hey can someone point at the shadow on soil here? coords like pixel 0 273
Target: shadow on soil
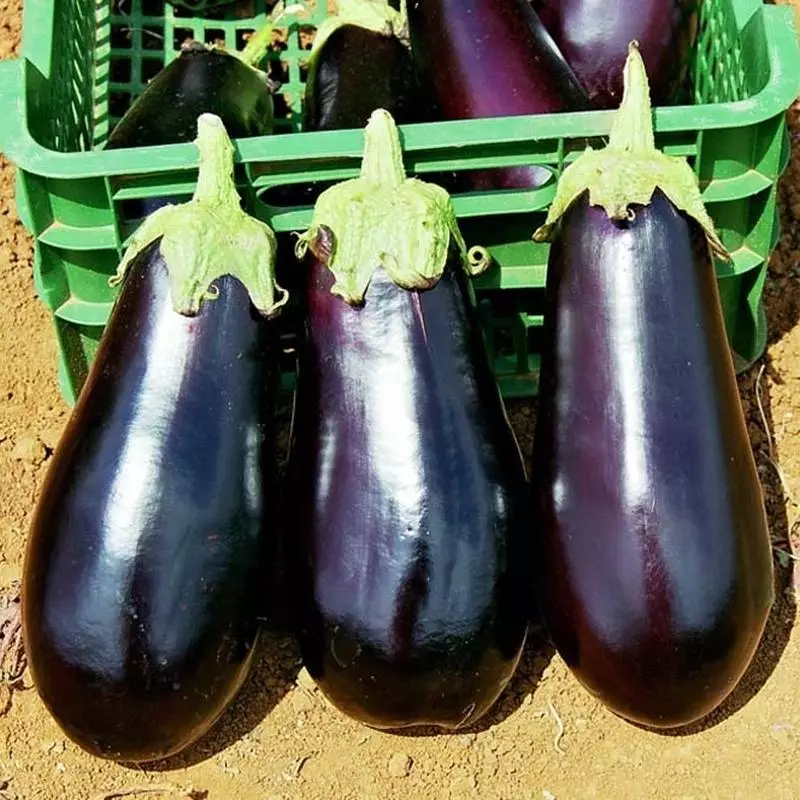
pixel 273 675
pixel 782 305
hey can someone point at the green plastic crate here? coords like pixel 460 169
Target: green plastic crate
pixel 83 61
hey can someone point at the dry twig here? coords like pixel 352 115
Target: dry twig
pixel 133 791
pixel 560 735
pixel 771 453
pixel 784 555
pixel 12 651
pixel 554 715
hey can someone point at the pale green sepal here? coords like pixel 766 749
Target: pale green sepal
pixel 211 236
pixel 629 169
pixel 384 219
pixel 373 15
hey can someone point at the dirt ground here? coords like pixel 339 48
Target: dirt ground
pixel 280 740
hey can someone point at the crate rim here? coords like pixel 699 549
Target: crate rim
pixel 26 153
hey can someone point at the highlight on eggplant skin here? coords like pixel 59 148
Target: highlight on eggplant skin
pixel 150 534
pixel 198 81
pixel 594 40
pixel 654 559
pixel 491 58
pixel 146 546
pixel 406 540
pixel 655 564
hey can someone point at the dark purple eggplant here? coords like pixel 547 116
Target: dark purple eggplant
pixel 593 35
pixel 360 62
pixel 654 559
pixel 491 58
pixel 405 543
pixel 200 80
pixel 143 566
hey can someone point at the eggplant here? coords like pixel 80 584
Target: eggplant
pixel 360 62
pixel 491 58
pixel 653 553
pixel 141 574
pixel 593 35
pixel 405 543
pixel 199 80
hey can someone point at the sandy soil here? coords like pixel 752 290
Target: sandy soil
pixel 280 740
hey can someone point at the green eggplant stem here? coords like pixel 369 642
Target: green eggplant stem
pixel 385 219
pixel 210 235
pixel 630 168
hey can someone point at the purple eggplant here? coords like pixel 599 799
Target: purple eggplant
pixel 491 58
pixel 198 81
pixel 360 62
pixel 405 544
pixel 143 566
pixel 593 35
pixel 654 555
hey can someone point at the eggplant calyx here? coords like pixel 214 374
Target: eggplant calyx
pixel 211 236
pixel 259 44
pixel 630 168
pixel 385 219
pixel 373 15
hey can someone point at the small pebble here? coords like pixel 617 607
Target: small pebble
pixel 51 436
pixel 464 785
pixel 782 734
pixel 29 450
pixel 400 765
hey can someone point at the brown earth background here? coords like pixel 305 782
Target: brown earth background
pixel 546 739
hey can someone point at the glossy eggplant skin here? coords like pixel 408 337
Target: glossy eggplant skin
pixel 198 81
pixel 139 591
pixel 655 562
pixel 491 58
pixel 406 544
pixel 594 38
pixel 355 72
